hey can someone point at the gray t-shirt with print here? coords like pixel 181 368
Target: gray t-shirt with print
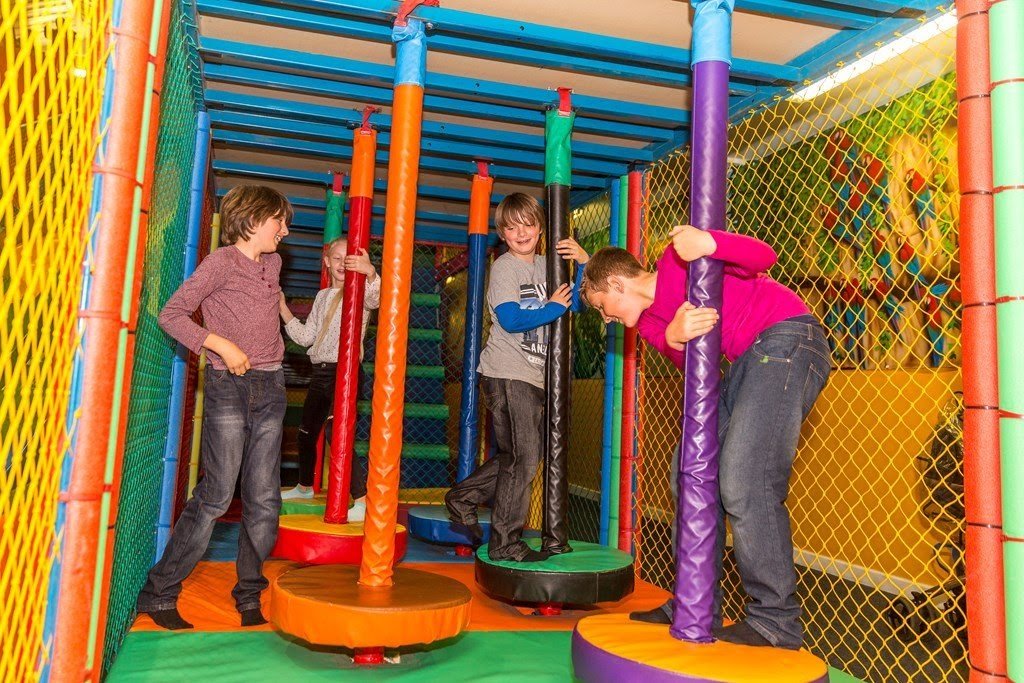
pixel 516 355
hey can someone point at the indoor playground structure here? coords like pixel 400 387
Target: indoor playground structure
pixel 876 145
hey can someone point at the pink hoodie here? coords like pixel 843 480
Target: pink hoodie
pixel 751 301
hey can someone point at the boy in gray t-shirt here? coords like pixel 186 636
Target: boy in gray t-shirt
pixel 512 382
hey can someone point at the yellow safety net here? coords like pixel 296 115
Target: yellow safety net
pixel 52 68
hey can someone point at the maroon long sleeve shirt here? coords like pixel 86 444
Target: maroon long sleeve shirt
pixel 239 299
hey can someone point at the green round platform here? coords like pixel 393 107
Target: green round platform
pixel 590 574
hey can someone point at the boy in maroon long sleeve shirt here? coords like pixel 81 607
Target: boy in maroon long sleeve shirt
pixel 237 288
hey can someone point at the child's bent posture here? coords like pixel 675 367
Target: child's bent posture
pixel 512 368
pixel 237 287
pixel 321 333
pixel 779 364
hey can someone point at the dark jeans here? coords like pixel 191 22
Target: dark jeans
pixel 765 396
pixel 319 404
pixel 517 413
pixel 242 424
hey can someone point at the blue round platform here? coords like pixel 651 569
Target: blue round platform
pixel 430 523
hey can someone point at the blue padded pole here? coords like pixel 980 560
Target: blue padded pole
pixel 609 386
pixel 469 416
pixel 179 366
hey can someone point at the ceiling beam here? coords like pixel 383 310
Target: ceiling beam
pixel 459 87
pixel 291 175
pixel 352 118
pixel 368 94
pixel 279 145
pixel 452 28
pixel 430 145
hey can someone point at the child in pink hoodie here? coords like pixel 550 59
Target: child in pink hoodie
pixel 779 363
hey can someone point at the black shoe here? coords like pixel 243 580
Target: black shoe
pixel 742 633
pixel 253 617
pixel 559 550
pixel 169 619
pixel 659 615
pixel 535 556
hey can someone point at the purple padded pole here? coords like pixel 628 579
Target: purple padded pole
pixel 697 515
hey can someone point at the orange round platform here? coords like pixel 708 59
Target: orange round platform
pixel 611 648
pixel 308 539
pixel 326 606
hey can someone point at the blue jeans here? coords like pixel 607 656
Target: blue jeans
pixel 765 396
pixel 243 419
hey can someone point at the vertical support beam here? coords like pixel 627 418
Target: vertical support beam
pixel 346 392
pixel 558 370
pixel 388 404
pixel 986 628
pixel 1007 89
pixel 197 419
pixel 608 513
pixel 469 415
pixel 697 515
pixel 620 241
pixel 634 204
pixel 120 200
pixel 179 365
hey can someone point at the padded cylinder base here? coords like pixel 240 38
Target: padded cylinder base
pixel 327 606
pixel 610 648
pixel 590 574
pixel 308 539
pixel 430 523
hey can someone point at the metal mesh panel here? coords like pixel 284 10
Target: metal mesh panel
pixel 135 533
pixel 856 189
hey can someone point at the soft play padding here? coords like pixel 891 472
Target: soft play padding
pixel 308 539
pixel 431 523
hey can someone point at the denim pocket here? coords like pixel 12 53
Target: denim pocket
pixel 776 347
pixel 215 376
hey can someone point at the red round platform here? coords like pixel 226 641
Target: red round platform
pixel 308 539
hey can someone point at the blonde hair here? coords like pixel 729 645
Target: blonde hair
pixel 604 264
pixel 332 307
pixel 246 206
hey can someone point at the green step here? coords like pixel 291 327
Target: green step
pixel 426 371
pixel 426 299
pixel 416 451
pixel 415 334
pixel 436 411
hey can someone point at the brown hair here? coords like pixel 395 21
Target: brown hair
pixel 246 206
pixel 518 209
pixel 605 263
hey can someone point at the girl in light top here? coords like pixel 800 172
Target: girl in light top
pixel 321 333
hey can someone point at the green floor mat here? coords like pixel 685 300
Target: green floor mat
pixel 481 657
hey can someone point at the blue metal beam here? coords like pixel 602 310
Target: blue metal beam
pixel 291 175
pixel 534 117
pixel 453 27
pixel 351 118
pixel 460 220
pixel 431 146
pixel 804 12
pixel 457 86
pixel 269 143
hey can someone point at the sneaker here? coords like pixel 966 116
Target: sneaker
pixel 357 512
pixel 300 492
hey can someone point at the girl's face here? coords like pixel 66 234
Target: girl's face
pixel 335 262
pixel 522 239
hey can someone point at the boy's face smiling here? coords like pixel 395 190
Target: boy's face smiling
pixel 522 240
pixel 268 234
pixel 619 303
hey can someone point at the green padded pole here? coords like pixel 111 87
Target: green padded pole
pixel 1006 21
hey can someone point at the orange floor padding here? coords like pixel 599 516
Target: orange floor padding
pixel 206 601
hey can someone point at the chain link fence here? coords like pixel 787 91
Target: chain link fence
pixel 856 189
